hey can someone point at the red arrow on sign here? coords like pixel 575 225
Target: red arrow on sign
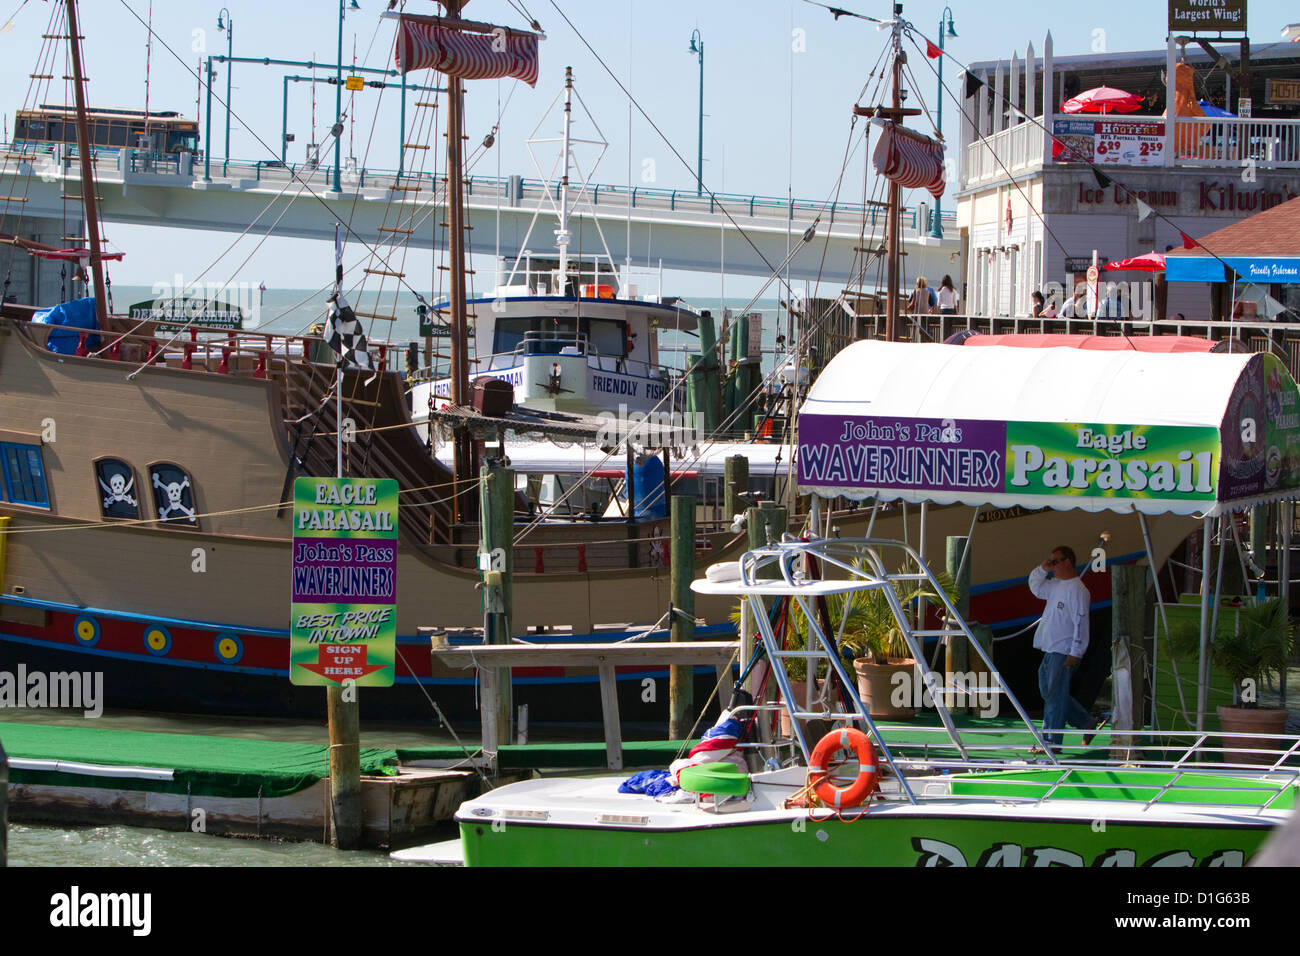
pixel 339 662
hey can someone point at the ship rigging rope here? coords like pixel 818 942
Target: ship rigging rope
pixel 667 142
pixel 794 353
pixel 469 757
pixel 294 175
pixel 45 59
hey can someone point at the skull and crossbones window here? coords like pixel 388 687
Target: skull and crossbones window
pixel 116 480
pixel 173 494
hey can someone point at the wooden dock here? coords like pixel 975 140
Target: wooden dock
pixel 488 658
pixel 221 785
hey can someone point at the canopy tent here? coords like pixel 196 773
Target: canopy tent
pixel 1262 248
pixel 1283 270
pixel 1140 432
pixel 1126 431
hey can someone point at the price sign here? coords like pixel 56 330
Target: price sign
pixel 1132 144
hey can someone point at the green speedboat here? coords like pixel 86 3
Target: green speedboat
pixel 968 797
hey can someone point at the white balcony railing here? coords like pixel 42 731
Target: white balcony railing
pixel 1005 153
pixel 1197 141
pixel 1232 141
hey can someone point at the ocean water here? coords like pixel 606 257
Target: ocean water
pixel 46 844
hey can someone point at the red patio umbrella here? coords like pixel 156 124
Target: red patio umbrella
pixel 1103 99
pixel 1151 262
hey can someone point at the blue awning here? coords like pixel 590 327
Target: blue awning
pixel 1264 269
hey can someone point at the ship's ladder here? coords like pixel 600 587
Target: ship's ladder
pixel 813 577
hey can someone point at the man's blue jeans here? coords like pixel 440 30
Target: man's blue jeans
pixel 1058 706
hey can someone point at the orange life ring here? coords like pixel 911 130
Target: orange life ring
pixel 864 786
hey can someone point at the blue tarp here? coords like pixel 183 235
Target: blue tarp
pixel 1263 269
pixel 1209 109
pixel 77 314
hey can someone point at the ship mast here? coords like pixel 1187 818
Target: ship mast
pixel 464 507
pixel 895 191
pixel 562 233
pixel 88 191
pixel 894 114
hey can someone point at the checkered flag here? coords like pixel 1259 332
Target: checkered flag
pixel 343 334
pixel 342 330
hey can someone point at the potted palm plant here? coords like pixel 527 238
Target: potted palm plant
pixel 1264 641
pixel 875 637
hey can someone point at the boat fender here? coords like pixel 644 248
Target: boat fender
pixel 847 738
pixel 725 571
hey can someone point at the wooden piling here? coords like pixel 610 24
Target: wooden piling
pixel 682 628
pixel 709 391
pixel 496 546
pixel 737 483
pixel 765 523
pixel 345 767
pixel 1128 591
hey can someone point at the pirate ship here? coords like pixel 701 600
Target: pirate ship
pixel 145 479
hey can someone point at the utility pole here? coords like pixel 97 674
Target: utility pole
pixel 229 28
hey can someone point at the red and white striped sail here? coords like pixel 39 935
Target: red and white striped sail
pixel 429 45
pixel 910 159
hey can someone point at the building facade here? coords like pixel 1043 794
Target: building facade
pixel 1034 208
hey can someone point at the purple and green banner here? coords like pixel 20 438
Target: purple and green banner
pixel 1261 431
pixel 1055 459
pixel 344 584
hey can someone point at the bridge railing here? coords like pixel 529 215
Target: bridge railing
pixel 490 188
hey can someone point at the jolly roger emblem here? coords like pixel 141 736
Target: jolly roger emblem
pixel 173 495
pixel 117 493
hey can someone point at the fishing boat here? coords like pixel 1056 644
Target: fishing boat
pixel 570 333
pixel 951 793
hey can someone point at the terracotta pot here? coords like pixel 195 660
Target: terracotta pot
pixel 800 689
pixel 1261 720
pixel 877 685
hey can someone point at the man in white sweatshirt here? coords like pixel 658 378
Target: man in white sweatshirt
pixel 1062 636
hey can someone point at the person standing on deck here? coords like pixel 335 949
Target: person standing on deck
pixel 1062 636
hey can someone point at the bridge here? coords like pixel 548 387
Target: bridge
pixel 670 229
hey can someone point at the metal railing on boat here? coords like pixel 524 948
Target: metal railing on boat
pixel 804 571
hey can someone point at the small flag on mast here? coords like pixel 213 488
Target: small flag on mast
pixel 932 51
pixel 343 331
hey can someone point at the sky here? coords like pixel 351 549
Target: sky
pixel 780 78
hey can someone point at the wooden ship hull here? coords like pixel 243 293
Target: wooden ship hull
pixel 195 619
